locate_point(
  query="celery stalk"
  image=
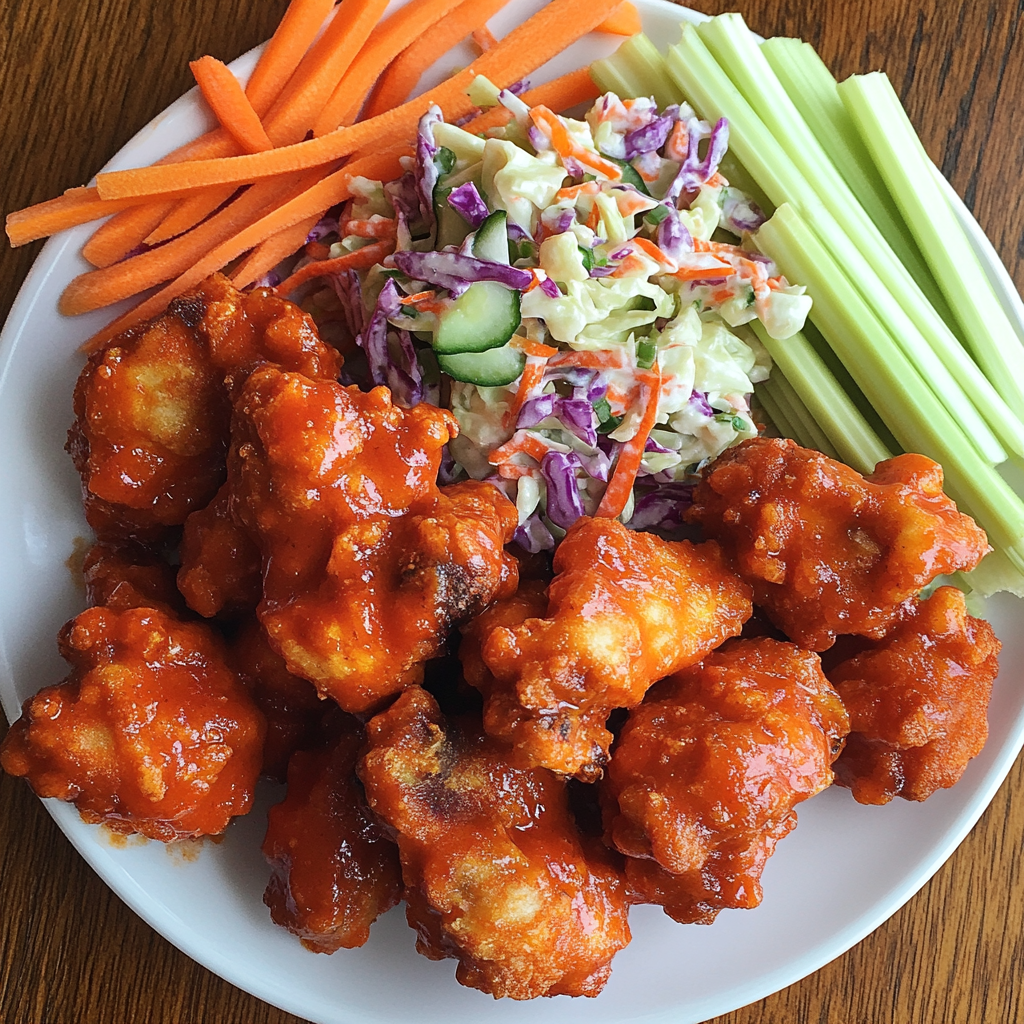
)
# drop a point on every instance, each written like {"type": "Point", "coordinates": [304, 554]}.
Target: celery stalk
{"type": "Point", "coordinates": [811, 182]}
{"type": "Point", "coordinates": [777, 414]}
{"type": "Point", "coordinates": [918, 420]}
{"type": "Point", "coordinates": [613, 75]}
{"type": "Point", "coordinates": [781, 391]}
{"type": "Point", "coordinates": [841, 421]}
{"type": "Point", "coordinates": [813, 90]}
{"type": "Point", "coordinates": [910, 175]}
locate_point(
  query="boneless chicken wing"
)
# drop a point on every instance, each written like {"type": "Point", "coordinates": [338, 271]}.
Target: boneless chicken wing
{"type": "Point", "coordinates": [917, 701]}
{"type": "Point", "coordinates": [150, 733]}
{"type": "Point", "coordinates": [706, 774]}
{"type": "Point", "coordinates": [624, 610]}
{"type": "Point", "coordinates": [826, 550]}
{"type": "Point", "coordinates": [496, 873]}
{"type": "Point", "coordinates": [366, 563]}
{"type": "Point", "coordinates": [333, 872]}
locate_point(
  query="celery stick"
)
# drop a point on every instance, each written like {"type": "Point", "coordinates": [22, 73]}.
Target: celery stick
{"type": "Point", "coordinates": [812, 88]}
{"type": "Point", "coordinates": [646, 59]}
{"type": "Point", "coordinates": [781, 391]}
{"type": "Point", "coordinates": [777, 414]}
{"type": "Point", "coordinates": [902, 161]}
{"type": "Point", "coordinates": [840, 420]}
{"type": "Point", "coordinates": [917, 419]}
{"type": "Point", "coordinates": [613, 75]}
{"type": "Point", "coordinates": [710, 90]}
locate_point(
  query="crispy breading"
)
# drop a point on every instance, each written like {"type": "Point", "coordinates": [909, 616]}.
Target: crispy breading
{"type": "Point", "coordinates": [827, 550]}
{"type": "Point", "coordinates": [497, 875]}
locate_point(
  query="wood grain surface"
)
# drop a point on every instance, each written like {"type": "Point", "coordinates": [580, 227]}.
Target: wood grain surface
{"type": "Point", "coordinates": [79, 79]}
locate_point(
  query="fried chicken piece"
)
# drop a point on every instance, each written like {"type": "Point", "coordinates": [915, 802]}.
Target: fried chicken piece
{"type": "Point", "coordinates": [291, 706]}
{"type": "Point", "coordinates": [917, 702]}
{"type": "Point", "coordinates": [826, 550]}
{"type": "Point", "coordinates": [707, 772]}
{"type": "Point", "coordinates": [220, 565]}
{"type": "Point", "coordinates": [332, 871]}
{"type": "Point", "coordinates": [121, 576]}
{"type": "Point", "coordinates": [151, 732]}
{"type": "Point", "coordinates": [496, 873]}
{"type": "Point", "coordinates": [152, 411]}
{"type": "Point", "coordinates": [624, 610]}
{"type": "Point", "coordinates": [366, 563]}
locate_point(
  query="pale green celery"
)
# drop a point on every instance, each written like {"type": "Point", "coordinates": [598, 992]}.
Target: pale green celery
{"type": "Point", "coordinates": [736, 174]}
{"type": "Point", "coordinates": [831, 407]}
{"type": "Point", "coordinates": [812, 88]}
{"type": "Point", "coordinates": [639, 53]}
{"type": "Point", "coordinates": [994, 573]}
{"type": "Point", "coordinates": [613, 75]}
{"type": "Point", "coordinates": [918, 420]}
{"type": "Point", "coordinates": [781, 392]}
{"type": "Point", "coordinates": [777, 414]}
{"type": "Point", "coordinates": [775, 136]}
{"type": "Point", "coordinates": [910, 175]}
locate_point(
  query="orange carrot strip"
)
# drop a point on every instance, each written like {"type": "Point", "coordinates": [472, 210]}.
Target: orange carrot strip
{"type": "Point", "coordinates": [532, 376]}
{"type": "Point", "coordinates": [630, 265]}
{"type": "Point", "coordinates": [551, 125]}
{"type": "Point", "coordinates": [678, 142]}
{"type": "Point", "coordinates": [409, 300]}
{"type": "Point", "coordinates": [587, 188]}
{"type": "Point", "coordinates": [327, 192]}
{"type": "Point", "coordinates": [226, 98]}
{"type": "Point", "coordinates": [270, 252]}
{"type": "Point", "coordinates": [124, 231]}
{"type": "Point", "coordinates": [189, 212]}
{"type": "Point", "coordinates": [512, 471]}
{"type": "Point", "coordinates": [360, 259]}
{"type": "Point", "coordinates": [75, 206]}
{"type": "Point", "coordinates": [625, 21]}
{"type": "Point", "coordinates": [287, 46]}
{"type": "Point", "coordinates": [699, 273]}
{"type": "Point", "coordinates": [324, 68]}
{"type": "Point", "coordinates": [522, 441]}
{"type": "Point", "coordinates": [484, 38]}
{"type": "Point", "coordinates": [597, 359]}
{"type": "Point", "coordinates": [699, 245]}
{"type": "Point", "coordinates": [393, 35]}
{"type": "Point", "coordinates": [559, 94]}
{"type": "Point", "coordinates": [531, 348]}
{"type": "Point", "coordinates": [375, 227]}
{"type": "Point", "coordinates": [396, 84]}
{"type": "Point", "coordinates": [653, 251]}
{"type": "Point", "coordinates": [537, 40]}
{"type": "Point", "coordinates": [630, 454]}
{"type": "Point", "coordinates": [99, 288]}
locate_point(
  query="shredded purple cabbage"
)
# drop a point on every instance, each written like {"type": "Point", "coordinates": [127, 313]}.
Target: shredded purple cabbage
{"type": "Point", "coordinates": [452, 270]}
{"type": "Point", "coordinates": [271, 279]}
{"type": "Point", "coordinates": [518, 88]}
{"type": "Point", "coordinates": [467, 202]}
{"type": "Point", "coordinates": [426, 169]}
{"type": "Point", "coordinates": [740, 213]}
{"type": "Point", "coordinates": [694, 171]}
{"type": "Point", "coordinates": [558, 221]}
{"type": "Point", "coordinates": [549, 288]}
{"type": "Point", "coordinates": [661, 509]}
{"type": "Point", "coordinates": [448, 471]}
{"type": "Point", "coordinates": [673, 236]}
{"type": "Point", "coordinates": [650, 137]}
{"type": "Point", "coordinates": [404, 377]}
{"type": "Point", "coordinates": [602, 271]}
{"type": "Point", "coordinates": [404, 196]}
{"type": "Point", "coordinates": [575, 414]}
{"type": "Point", "coordinates": [533, 535]}
{"type": "Point", "coordinates": [598, 465]}
{"type": "Point", "coordinates": [564, 504]}
{"type": "Point", "coordinates": [347, 287]}
{"type": "Point", "coordinates": [322, 228]}
{"type": "Point", "coordinates": [652, 446]}
{"type": "Point", "coordinates": [701, 403]}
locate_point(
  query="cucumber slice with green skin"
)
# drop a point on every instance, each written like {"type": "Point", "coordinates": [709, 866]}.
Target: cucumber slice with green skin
{"type": "Point", "coordinates": [492, 369]}
{"type": "Point", "coordinates": [487, 314]}
{"type": "Point", "coordinates": [631, 176]}
{"type": "Point", "coordinates": [451, 228]}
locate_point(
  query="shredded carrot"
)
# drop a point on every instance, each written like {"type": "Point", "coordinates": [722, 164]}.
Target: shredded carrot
{"type": "Point", "coordinates": [484, 38]}
{"type": "Point", "coordinates": [532, 377]}
{"type": "Point", "coordinates": [716, 181]}
{"type": "Point", "coordinates": [317, 250]}
{"type": "Point", "coordinates": [270, 252]}
{"type": "Point", "coordinates": [678, 142]}
{"type": "Point", "coordinates": [125, 231]}
{"type": "Point", "coordinates": [594, 217]}
{"type": "Point", "coordinates": [226, 98]}
{"type": "Point", "coordinates": [189, 212]}
{"type": "Point", "coordinates": [75, 206]}
{"type": "Point", "coordinates": [624, 21]}
{"type": "Point", "coordinates": [281, 56]}
{"type": "Point", "coordinates": [586, 188]}
{"type": "Point", "coordinates": [630, 203]}
{"type": "Point", "coordinates": [360, 259]}
{"type": "Point", "coordinates": [721, 295]}
{"type": "Point", "coordinates": [559, 94]}
{"type": "Point", "coordinates": [701, 273]}
{"type": "Point", "coordinates": [522, 441]}
{"type": "Point", "coordinates": [531, 348]}
{"type": "Point", "coordinates": [653, 251]}
{"type": "Point", "coordinates": [632, 264]}
{"type": "Point", "coordinates": [564, 145]}
{"type": "Point", "coordinates": [327, 192]}
{"type": "Point", "coordinates": [601, 359]}
{"type": "Point", "coordinates": [393, 35]}
{"type": "Point", "coordinates": [322, 70]}
{"type": "Point", "coordinates": [699, 245]}
{"type": "Point", "coordinates": [410, 300]}
{"type": "Point", "coordinates": [513, 471]}
{"type": "Point", "coordinates": [375, 227]}
{"type": "Point", "coordinates": [627, 465]}
{"type": "Point", "coordinates": [396, 84]}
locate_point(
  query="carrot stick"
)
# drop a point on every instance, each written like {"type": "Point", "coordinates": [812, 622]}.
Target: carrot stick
{"type": "Point", "coordinates": [360, 259]}
{"type": "Point", "coordinates": [327, 192]}
{"type": "Point", "coordinates": [124, 231]}
{"type": "Point", "coordinates": [268, 254]}
{"type": "Point", "coordinates": [99, 288]}
{"type": "Point", "coordinates": [287, 46]}
{"type": "Point", "coordinates": [623, 22]}
{"type": "Point", "coordinates": [558, 94]}
{"type": "Point", "coordinates": [551, 30]}
{"type": "Point", "coordinates": [323, 69]}
{"type": "Point", "coordinates": [226, 98]}
{"type": "Point", "coordinates": [393, 36]}
{"type": "Point", "coordinates": [187, 213]}
{"type": "Point", "coordinates": [532, 376]}
{"type": "Point", "coordinates": [397, 82]}
{"type": "Point", "coordinates": [628, 463]}
{"type": "Point", "coordinates": [75, 206]}
{"type": "Point", "coordinates": [484, 38]}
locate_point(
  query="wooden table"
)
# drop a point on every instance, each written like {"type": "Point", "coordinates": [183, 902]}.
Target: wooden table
{"type": "Point", "coordinates": [79, 79]}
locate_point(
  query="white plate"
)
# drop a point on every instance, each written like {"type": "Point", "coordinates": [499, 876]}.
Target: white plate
{"type": "Point", "coordinates": [841, 874]}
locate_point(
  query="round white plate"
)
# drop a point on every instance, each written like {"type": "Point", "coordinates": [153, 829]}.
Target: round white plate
{"type": "Point", "coordinates": [838, 876]}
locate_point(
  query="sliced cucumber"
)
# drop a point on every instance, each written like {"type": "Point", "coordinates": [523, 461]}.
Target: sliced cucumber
{"type": "Point", "coordinates": [491, 369]}
{"type": "Point", "coordinates": [487, 314]}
